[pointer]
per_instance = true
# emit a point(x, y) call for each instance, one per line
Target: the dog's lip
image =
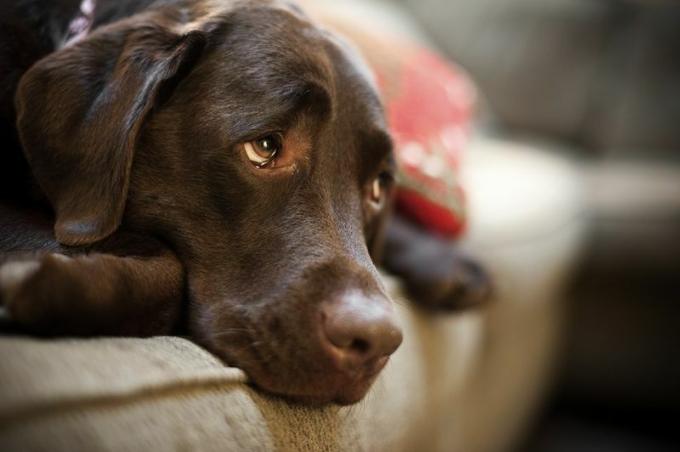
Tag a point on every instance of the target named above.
point(343, 392)
point(344, 382)
point(355, 391)
point(341, 387)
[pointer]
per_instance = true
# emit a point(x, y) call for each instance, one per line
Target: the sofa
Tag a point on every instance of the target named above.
point(596, 81)
point(466, 381)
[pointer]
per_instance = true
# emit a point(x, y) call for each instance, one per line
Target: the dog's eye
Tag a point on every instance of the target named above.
point(376, 190)
point(263, 151)
point(379, 187)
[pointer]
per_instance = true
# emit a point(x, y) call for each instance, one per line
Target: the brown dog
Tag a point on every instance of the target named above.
point(221, 168)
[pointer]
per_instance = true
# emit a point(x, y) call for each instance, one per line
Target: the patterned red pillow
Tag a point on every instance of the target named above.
point(429, 105)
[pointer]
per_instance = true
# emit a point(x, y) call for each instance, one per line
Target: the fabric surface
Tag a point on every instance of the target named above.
point(99, 369)
point(168, 394)
point(429, 106)
point(441, 391)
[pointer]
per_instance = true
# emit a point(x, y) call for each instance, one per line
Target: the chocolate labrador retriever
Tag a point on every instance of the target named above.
point(215, 167)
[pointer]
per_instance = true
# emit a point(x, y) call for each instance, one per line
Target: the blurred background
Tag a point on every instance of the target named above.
point(597, 81)
point(592, 89)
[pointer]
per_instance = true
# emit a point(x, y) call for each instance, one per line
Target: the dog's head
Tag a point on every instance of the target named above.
point(254, 143)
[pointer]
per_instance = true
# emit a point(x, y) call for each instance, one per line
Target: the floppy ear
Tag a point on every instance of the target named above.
point(80, 111)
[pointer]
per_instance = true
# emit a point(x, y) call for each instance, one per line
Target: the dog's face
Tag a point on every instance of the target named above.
point(252, 142)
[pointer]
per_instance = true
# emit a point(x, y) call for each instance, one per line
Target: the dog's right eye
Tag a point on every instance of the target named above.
point(379, 187)
point(263, 151)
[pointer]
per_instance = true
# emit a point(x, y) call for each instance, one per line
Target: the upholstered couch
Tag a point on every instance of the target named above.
point(599, 81)
point(468, 381)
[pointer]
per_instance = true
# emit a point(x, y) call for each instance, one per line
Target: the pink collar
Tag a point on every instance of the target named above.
point(81, 23)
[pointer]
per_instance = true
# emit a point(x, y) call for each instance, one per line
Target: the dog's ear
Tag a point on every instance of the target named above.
point(79, 116)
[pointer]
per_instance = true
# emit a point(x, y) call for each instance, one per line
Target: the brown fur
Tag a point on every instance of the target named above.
point(160, 223)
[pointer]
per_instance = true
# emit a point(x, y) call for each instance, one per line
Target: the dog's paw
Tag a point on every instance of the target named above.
point(435, 272)
point(451, 281)
point(27, 289)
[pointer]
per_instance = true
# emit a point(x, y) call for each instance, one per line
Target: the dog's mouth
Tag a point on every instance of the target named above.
point(315, 377)
point(304, 350)
point(335, 387)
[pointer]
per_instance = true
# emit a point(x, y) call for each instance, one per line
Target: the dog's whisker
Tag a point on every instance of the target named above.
point(231, 332)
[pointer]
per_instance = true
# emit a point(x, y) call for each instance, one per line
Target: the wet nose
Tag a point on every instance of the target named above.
point(360, 330)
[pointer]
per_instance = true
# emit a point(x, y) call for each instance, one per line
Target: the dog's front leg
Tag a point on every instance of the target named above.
point(435, 272)
point(95, 293)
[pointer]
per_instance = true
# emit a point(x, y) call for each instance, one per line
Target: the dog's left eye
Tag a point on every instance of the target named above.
point(263, 151)
point(379, 187)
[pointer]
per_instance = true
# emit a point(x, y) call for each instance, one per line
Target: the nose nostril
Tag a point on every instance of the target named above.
point(360, 346)
point(359, 330)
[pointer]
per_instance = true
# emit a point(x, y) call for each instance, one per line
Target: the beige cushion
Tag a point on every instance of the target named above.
point(467, 381)
point(527, 226)
point(119, 394)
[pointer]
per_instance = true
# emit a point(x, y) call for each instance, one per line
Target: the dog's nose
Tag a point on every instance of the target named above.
point(360, 331)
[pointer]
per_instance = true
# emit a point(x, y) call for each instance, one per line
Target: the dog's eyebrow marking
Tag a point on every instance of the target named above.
point(281, 115)
point(376, 145)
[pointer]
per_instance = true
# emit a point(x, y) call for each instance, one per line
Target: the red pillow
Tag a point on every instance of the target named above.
point(429, 105)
